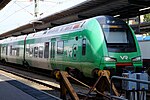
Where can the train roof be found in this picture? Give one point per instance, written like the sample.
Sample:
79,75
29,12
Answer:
147,38
75,26
143,38
13,39
67,27
63,29
4,41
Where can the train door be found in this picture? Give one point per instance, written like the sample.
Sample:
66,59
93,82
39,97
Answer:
52,49
46,54
46,50
6,52
52,53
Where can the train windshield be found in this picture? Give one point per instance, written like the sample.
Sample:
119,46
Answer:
117,34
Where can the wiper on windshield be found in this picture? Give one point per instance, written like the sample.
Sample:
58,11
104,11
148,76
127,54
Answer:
121,47
118,45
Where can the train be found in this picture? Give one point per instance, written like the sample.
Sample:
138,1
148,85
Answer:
144,43
86,46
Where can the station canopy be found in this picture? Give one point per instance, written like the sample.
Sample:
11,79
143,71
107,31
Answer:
90,8
3,3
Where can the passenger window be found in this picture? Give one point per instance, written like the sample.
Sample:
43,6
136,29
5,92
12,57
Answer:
31,52
60,47
35,52
6,49
17,51
11,50
83,46
27,50
3,49
41,52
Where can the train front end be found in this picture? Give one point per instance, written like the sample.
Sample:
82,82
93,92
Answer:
123,53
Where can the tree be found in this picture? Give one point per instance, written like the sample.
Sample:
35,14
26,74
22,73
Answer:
147,17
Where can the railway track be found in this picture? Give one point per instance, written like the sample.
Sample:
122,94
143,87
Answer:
43,80
34,79
47,81
40,82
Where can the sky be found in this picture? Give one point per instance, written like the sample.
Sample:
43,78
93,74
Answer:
20,12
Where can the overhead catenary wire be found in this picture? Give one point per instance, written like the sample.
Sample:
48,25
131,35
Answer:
51,1
7,11
7,17
56,3
14,13
23,8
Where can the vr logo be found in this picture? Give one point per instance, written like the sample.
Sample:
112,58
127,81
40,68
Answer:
124,57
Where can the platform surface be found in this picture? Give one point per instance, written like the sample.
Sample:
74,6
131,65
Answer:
11,89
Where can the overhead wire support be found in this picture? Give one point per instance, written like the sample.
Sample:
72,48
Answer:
22,8
36,8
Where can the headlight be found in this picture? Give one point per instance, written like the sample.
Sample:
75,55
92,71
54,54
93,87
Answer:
109,59
136,59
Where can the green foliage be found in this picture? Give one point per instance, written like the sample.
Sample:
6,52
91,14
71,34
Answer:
147,17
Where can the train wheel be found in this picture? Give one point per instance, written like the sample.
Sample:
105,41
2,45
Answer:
79,75
70,71
26,65
3,61
95,73
54,73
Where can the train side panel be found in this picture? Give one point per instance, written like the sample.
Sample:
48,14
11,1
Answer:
144,46
13,50
79,49
65,50
4,50
37,51
96,47
72,50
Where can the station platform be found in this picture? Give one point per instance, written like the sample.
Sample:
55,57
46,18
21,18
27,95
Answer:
11,89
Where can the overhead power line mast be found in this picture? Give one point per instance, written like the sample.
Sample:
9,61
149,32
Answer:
36,8
37,4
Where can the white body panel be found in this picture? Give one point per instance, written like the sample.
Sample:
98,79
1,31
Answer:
145,49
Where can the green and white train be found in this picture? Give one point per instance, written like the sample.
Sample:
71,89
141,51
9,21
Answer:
98,43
